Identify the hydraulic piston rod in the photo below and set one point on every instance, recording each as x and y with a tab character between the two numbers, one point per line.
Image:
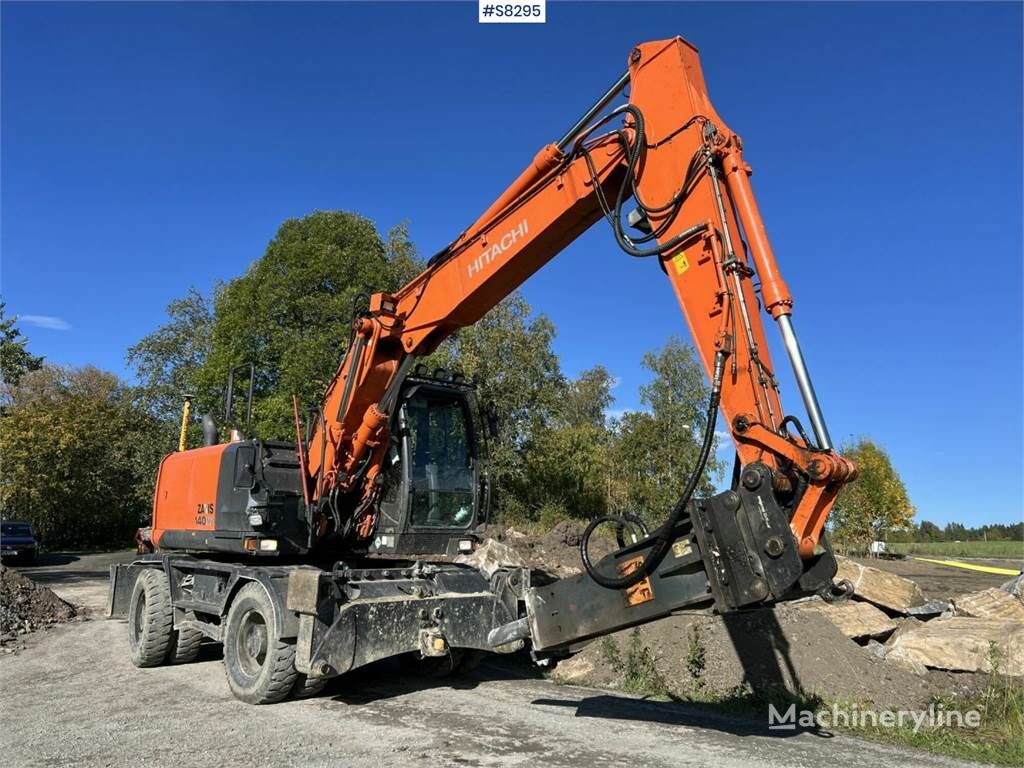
803	381
593	112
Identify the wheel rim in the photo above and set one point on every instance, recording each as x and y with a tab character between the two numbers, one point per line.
140	617
251	645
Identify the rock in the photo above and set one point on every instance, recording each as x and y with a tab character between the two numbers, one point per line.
989	604
961	644
875	648
512	533
1015	587
492	555
930	609
575	670
855	620
886	590
906	662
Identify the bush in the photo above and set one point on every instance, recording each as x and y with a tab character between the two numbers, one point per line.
77	457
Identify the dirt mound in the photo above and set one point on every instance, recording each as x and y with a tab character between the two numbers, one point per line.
556	553
26	606
764	652
565	534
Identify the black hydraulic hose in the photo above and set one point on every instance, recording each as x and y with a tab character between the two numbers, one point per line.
800	431
663	536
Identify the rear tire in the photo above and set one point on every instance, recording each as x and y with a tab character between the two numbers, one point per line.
184	647
307	687
150	619
260	666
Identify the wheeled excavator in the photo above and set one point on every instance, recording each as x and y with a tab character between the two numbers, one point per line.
311	559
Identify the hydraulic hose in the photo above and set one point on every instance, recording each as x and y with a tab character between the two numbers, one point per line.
663	535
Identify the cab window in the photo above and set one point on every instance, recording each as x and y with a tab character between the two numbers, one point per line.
441	456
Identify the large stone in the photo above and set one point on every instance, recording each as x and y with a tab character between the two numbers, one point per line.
884	589
855	620
990	603
1015	587
962	644
492	555
931	609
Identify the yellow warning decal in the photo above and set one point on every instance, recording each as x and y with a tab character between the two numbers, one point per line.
642	591
680	262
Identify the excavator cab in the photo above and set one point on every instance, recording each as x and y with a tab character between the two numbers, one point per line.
436	494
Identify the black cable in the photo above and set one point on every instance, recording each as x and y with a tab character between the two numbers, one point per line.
627	519
663	537
627	189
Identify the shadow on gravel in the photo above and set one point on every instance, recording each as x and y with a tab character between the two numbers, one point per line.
44	559
673	713
395	677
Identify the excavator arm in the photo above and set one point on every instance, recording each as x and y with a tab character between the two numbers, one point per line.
668	162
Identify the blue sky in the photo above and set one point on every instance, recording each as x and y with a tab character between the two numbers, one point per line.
148	148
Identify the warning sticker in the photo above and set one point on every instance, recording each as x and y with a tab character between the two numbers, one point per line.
642	591
680	262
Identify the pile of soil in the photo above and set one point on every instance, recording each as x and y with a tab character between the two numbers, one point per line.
26	606
764	652
557	552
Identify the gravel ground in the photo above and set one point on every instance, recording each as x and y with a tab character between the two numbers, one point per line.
73	698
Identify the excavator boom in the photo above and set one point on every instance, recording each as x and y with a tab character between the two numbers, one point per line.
669	155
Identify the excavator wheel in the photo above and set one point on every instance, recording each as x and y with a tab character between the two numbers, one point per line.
184	646
150	619
260	666
307	687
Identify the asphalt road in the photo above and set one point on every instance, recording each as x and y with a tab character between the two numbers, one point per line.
73	698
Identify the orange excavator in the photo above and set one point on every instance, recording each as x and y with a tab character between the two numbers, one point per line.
307	560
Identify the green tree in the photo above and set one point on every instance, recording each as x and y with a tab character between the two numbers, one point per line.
168	360
77	457
657	448
874	503
567	467
290	315
928	531
15	359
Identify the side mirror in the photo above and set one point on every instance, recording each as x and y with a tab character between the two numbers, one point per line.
492	419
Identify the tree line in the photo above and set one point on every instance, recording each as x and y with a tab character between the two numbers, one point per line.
928	531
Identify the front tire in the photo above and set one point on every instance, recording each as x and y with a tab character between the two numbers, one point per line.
260	666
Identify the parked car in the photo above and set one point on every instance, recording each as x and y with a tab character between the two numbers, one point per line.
18	542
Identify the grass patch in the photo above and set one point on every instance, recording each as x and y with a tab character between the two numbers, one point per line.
1014	549
640	673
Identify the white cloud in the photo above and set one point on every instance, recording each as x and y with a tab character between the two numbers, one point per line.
45	321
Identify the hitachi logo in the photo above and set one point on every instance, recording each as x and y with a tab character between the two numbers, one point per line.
490	254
